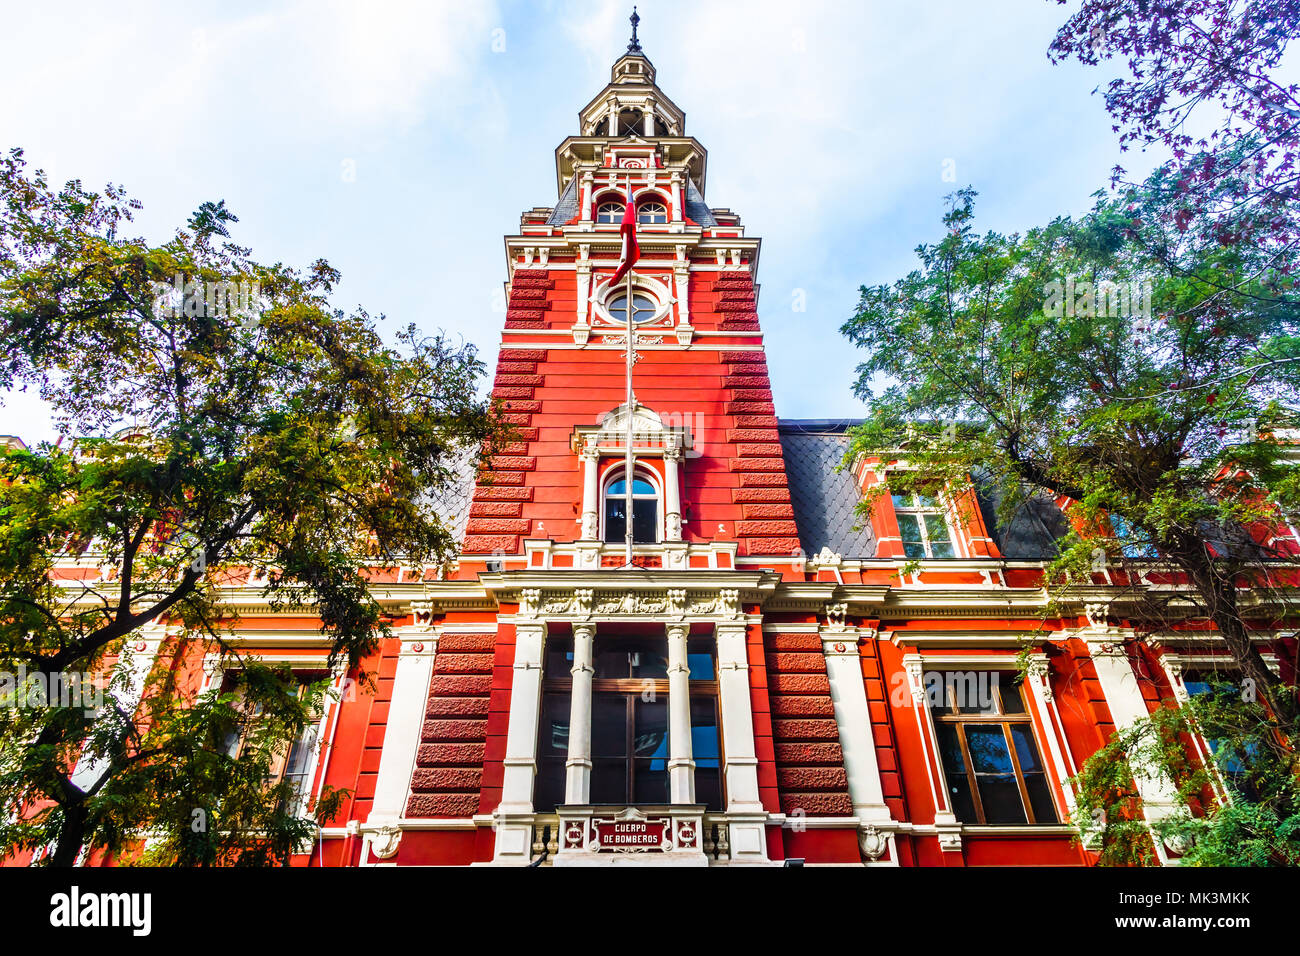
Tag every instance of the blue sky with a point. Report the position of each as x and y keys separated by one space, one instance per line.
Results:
x=401 y=140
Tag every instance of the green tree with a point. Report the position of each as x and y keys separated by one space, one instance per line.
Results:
x=1162 y=417
x=226 y=415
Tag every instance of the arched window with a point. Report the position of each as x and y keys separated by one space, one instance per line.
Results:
x=610 y=213
x=630 y=123
x=645 y=509
x=652 y=213
x=643 y=308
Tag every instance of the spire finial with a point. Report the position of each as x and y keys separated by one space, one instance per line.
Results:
x=635 y=45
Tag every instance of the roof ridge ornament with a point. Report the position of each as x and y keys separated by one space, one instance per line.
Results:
x=634 y=46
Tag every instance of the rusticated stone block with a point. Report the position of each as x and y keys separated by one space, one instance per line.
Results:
x=792 y=642
x=809 y=754
x=748 y=355
x=803 y=705
x=750 y=408
x=532 y=279
x=489 y=478
x=813 y=778
x=446 y=779
x=798 y=684
x=750 y=369
x=752 y=394
x=454 y=730
x=756 y=421
x=764 y=528
x=503 y=493
x=522 y=405
x=817 y=804
x=496 y=509
x=518 y=380
x=457 y=707
x=741 y=495
x=745 y=381
x=442 y=805
x=525 y=293
x=512 y=391
x=451 y=685
x=516 y=368
x=807 y=729
x=517 y=323
x=513 y=463
x=767 y=511
x=772 y=545
x=447 y=754
x=471 y=643
x=753 y=434
x=801 y=662
x=517 y=418
x=758 y=464
x=763 y=481
x=491 y=543
x=759 y=449
x=522 y=355
x=498 y=525
x=462 y=663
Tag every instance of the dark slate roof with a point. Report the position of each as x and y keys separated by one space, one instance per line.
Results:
x=567 y=207
x=1034 y=529
x=696 y=210
x=824 y=499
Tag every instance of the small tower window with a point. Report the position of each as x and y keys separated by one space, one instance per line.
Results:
x=652 y=213
x=645 y=510
x=610 y=213
x=643 y=308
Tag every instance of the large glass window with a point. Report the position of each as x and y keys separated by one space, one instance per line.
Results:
x=923 y=527
x=291 y=764
x=629 y=722
x=990 y=759
x=645 y=511
x=1234 y=769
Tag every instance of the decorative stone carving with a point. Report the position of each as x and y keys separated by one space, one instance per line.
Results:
x=835 y=614
x=1039 y=671
x=385 y=841
x=1096 y=614
x=528 y=601
x=872 y=842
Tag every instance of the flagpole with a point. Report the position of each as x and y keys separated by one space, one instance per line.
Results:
x=629 y=461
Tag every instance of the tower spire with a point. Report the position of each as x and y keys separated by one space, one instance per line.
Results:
x=635 y=45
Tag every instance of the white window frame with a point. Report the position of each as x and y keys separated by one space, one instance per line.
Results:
x=918 y=510
x=618 y=217
x=612 y=474
x=653 y=207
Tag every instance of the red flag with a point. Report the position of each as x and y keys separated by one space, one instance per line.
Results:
x=631 y=251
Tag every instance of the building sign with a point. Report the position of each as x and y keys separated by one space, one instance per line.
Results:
x=653 y=833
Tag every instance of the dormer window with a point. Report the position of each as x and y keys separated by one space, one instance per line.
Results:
x=645 y=509
x=609 y=213
x=652 y=214
x=923 y=527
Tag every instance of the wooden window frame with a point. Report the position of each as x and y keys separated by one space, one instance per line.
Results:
x=952 y=717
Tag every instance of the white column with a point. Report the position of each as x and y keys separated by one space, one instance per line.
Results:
x=1040 y=687
x=741 y=767
x=681 y=768
x=649 y=120
x=853 y=718
x=139 y=651
x=590 y=491
x=1127 y=706
x=513 y=818
x=613 y=116
x=587 y=185
x=672 y=491
x=577 y=780
x=406 y=712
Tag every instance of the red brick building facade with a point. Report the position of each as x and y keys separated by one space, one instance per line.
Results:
x=769 y=677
